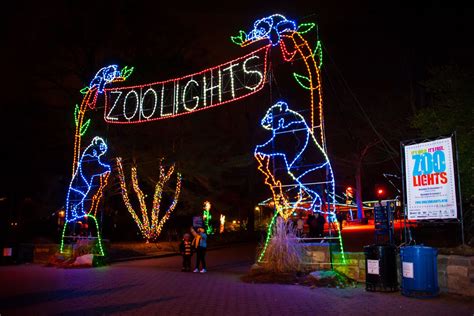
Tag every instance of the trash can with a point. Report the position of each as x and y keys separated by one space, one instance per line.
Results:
x=419 y=269
x=26 y=253
x=381 y=268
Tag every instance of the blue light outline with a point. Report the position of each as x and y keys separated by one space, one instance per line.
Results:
x=268 y=124
x=96 y=155
x=262 y=28
x=104 y=76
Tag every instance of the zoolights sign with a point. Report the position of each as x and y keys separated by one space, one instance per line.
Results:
x=430 y=180
x=211 y=87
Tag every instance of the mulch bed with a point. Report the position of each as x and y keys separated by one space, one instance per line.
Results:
x=297 y=278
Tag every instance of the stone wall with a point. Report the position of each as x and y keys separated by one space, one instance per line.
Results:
x=316 y=256
x=354 y=267
x=455 y=273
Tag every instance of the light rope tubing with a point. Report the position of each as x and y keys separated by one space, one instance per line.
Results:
x=307 y=55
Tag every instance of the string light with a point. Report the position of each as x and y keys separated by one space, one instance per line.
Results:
x=193 y=93
x=270 y=28
x=207 y=217
x=80 y=188
x=267 y=239
x=150 y=228
x=288 y=35
x=105 y=75
x=222 y=223
x=99 y=238
x=208 y=88
x=103 y=180
x=280 y=118
x=81 y=183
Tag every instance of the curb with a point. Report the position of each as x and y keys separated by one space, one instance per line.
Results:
x=167 y=254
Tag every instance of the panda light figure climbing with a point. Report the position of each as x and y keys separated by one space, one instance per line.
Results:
x=81 y=188
x=289 y=126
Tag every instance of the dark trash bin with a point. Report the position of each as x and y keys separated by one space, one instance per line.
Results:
x=419 y=268
x=381 y=268
x=26 y=253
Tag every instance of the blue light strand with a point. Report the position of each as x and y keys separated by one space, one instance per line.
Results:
x=291 y=121
x=271 y=27
x=81 y=183
x=105 y=76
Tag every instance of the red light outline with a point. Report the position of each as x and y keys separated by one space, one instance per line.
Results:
x=258 y=88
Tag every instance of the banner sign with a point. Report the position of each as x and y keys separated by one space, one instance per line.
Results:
x=430 y=179
x=198 y=221
x=214 y=86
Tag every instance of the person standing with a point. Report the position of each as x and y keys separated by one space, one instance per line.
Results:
x=299 y=227
x=341 y=217
x=200 y=244
x=185 y=248
x=311 y=221
x=319 y=223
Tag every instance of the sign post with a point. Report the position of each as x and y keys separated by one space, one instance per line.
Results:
x=431 y=180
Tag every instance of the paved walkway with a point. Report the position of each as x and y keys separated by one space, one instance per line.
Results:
x=157 y=287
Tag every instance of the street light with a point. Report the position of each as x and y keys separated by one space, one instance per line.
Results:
x=380 y=193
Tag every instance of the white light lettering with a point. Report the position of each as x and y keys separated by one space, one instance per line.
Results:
x=195 y=97
x=231 y=72
x=108 y=117
x=125 y=104
x=142 y=103
x=250 y=72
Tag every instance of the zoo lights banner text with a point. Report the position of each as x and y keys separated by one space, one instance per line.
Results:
x=211 y=87
x=430 y=180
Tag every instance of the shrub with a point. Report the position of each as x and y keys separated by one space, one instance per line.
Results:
x=283 y=254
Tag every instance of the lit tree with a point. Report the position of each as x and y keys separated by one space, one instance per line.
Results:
x=150 y=227
x=222 y=224
x=207 y=217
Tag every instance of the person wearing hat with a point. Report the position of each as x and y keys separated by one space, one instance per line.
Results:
x=200 y=244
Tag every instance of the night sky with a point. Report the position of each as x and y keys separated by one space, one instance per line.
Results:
x=377 y=55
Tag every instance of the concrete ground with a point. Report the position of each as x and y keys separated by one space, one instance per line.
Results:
x=157 y=287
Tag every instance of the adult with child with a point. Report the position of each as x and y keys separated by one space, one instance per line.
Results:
x=200 y=244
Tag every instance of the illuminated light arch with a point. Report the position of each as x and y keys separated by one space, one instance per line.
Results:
x=245 y=76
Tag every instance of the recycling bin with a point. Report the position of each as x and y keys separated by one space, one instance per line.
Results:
x=419 y=268
x=381 y=268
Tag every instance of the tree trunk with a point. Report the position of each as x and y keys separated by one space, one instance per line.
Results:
x=358 y=180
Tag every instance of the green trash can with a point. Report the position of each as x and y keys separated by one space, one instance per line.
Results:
x=381 y=268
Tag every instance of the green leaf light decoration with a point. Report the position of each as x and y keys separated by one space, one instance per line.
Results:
x=85 y=126
x=76 y=114
x=306 y=27
x=302 y=81
x=84 y=90
x=239 y=39
x=126 y=72
x=318 y=52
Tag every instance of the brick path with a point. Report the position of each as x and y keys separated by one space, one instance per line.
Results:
x=157 y=287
